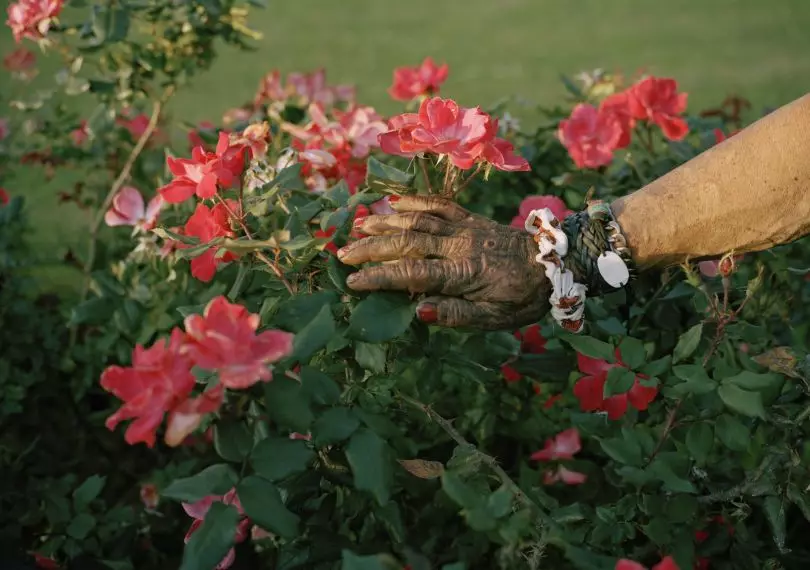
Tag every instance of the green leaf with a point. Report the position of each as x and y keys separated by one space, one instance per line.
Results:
x=622 y=450
x=589 y=346
x=334 y=425
x=263 y=505
x=767 y=383
x=276 y=458
x=499 y=503
x=742 y=401
x=210 y=543
x=775 y=513
x=87 y=491
x=370 y=356
x=619 y=381
x=170 y=235
x=94 y=311
x=699 y=441
x=687 y=343
x=81 y=526
x=657 y=367
x=232 y=440
x=380 y=317
x=662 y=471
x=296 y=313
x=314 y=336
x=696 y=381
x=732 y=432
x=288 y=404
x=370 y=460
x=197 y=250
x=338 y=272
x=633 y=353
x=352 y=561
x=460 y=492
x=798 y=498
x=320 y=387
x=385 y=178
x=214 y=480
x=612 y=325
x=288 y=179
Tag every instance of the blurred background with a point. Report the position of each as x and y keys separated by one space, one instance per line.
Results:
x=757 y=49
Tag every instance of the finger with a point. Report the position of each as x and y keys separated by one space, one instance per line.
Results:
x=405 y=244
x=441 y=207
x=416 y=221
x=457 y=312
x=433 y=276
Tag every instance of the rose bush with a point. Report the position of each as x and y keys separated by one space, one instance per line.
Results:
x=216 y=362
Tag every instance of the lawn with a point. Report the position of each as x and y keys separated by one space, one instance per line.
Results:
x=495 y=48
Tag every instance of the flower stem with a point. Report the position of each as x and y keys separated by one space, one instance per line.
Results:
x=423 y=166
x=464 y=184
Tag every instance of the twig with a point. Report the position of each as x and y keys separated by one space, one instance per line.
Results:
x=740 y=488
x=488 y=460
x=262 y=257
x=423 y=166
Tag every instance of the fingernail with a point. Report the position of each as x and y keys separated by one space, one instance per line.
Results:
x=351 y=278
x=427 y=313
x=393 y=199
x=341 y=253
x=358 y=223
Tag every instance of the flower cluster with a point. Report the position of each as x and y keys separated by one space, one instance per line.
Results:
x=561 y=447
x=590 y=389
x=160 y=380
x=467 y=136
x=32 y=18
x=300 y=89
x=592 y=134
x=422 y=80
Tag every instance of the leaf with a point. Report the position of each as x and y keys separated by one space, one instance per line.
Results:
x=288 y=179
x=287 y=404
x=338 y=272
x=422 y=468
x=239 y=282
x=320 y=387
x=696 y=381
x=172 y=236
x=81 y=526
x=612 y=325
x=263 y=505
x=232 y=440
x=384 y=178
x=370 y=356
x=314 y=336
x=775 y=513
x=276 y=458
x=303 y=241
x=797 y=497
x=657 y=367
x=742 y=401
x=87 y=491
x=672 y=482
x=622 y=450
x=589 y=346
x=756 y=382
x=619 y=381
x=197 y=250
x=460 y=492
x=210 y=543
x=633 y=353
x=94 y=311
x=297 y=312
x=368 y=456
x=780 y=359
x=335 y=425
x=699 y=441
x=352 y=561
x=499 y=503
x=732 y=432
x=380 y=317
x=687 y=343
x=214 y=480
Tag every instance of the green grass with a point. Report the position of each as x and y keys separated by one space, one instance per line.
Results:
x=495 y=48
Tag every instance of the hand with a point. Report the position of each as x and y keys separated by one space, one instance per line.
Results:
x=476 y=273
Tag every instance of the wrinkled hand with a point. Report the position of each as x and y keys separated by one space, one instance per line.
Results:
x=476 y=272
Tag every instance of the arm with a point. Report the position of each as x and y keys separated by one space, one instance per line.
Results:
x=749 y=193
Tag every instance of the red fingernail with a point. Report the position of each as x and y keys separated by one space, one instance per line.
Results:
x=427 y=313
x=358 y=223
x=393 y=199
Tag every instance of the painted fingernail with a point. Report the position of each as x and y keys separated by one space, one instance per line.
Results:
x=427 y=313
x=358 y=223
x=393 y=199
x=341 y=253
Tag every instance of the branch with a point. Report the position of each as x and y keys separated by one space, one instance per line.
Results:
x=488 y=460
x=740 y=488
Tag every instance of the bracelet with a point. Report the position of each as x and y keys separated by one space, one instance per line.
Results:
x=597 y=258
x=568 y=297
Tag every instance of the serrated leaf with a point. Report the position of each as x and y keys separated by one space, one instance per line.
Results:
x=422 y=468
x=334 y=425
x=687 y=343
x=210 y=543
x=214 y=480
x=232 y=440
x=699 y=441
x=288 y=404
x=757 y=382
x=320 y=387
x=263 y=505
x=81 y=526
x=696 y=381
x=622 y=450
x=619 y=381
x=499 y=503
x=589 y=346
x=316 y=335
x=297 y=312
x=380 y=317
x=384 y=178
x=657 y=367
x=742 y=401
x=87 y=491
x=276 y=458
x=732 y=432
x=632 y=352
x=369 y=458
x=460 y=492
x=370 y=356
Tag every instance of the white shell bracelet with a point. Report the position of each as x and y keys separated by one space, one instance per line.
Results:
x=568 y=297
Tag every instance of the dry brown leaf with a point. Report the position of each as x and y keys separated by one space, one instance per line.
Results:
x=780 y=359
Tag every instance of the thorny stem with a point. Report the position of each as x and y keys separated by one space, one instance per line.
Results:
x=261 y=256
x=488 y=460
x=740 y=488
x=122 y=177
x=464 y=184
x=423 y=166
x=448 y=167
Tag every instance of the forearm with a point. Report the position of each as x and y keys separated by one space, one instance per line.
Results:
x=748 y=193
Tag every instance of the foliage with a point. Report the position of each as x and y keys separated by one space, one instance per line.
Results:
x=369 y=439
